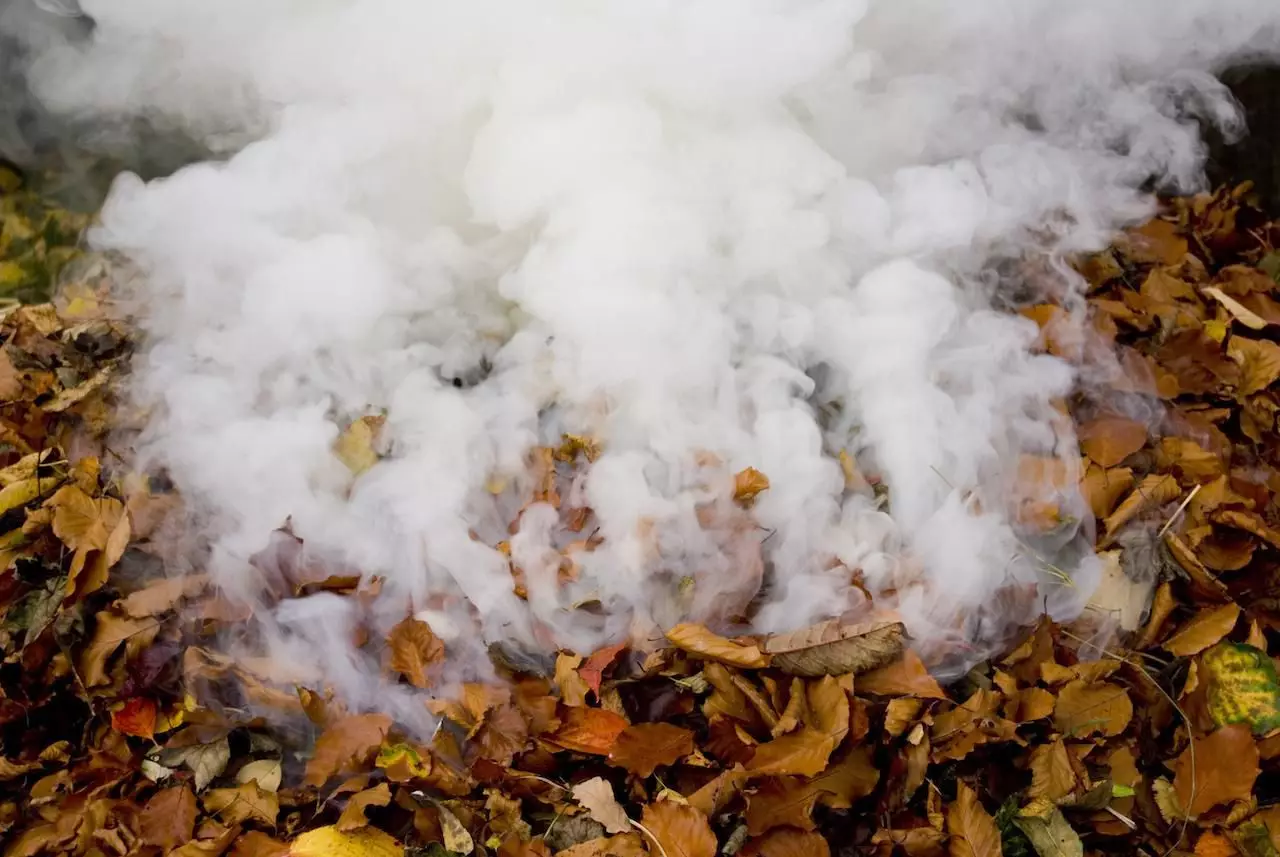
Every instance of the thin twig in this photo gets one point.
(1178, 511)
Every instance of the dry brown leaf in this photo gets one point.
(247, 802)
(162, 595)
(1259, 362)
(1092, 708)
(111, 632)
(899, 714)
(1205, 629)
(835, 648)
(1238, 311)
(589, 730)
(596, 797)
(169, 818)
(347, 744)
(255, 843)
(1103, 488)
(697, 640)
(89, 527)
(1052, 775)
(827, 706)
(681, 830)
(802, 753)
(622, 845)
(645, 747)
(414, 650)
(747, 485)
(850, 778)
(353, 814)
(973, 830)
(1216, 769)
(907, 676)
(1108, 441)
(781, 802)
(1153, 491)
(573, 688)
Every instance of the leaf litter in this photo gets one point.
(129, 729)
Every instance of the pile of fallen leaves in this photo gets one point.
(832, 740)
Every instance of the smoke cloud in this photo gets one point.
(708, 234)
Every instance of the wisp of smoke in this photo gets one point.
(707, 234)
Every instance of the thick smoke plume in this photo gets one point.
(707, 234)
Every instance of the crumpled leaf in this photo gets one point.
(1242, 686)
(1052, 776)
(834, 648)
(353, 814)
(596, 797)
(644, 747)
(205, 761)
(456, 836)
(1224, 769)
(265, 772)
(246, 802)
(679, 829)
(355, 446)
(88, 526)
(348, 742)
(1153, 491)
(697, 640)
(414, 650)
(973, 830)
(1204, 630)
(747, 485)
(1259, 362)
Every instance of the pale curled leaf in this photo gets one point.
(698, 640)
(835, 648)
(596, 797)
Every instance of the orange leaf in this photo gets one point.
(1205, 629)
(681, 830)
(793, 843)
(353, 815)
(346, 745)
(1212, 844)
(973, 831)
(697, 640)
(644, 747)
(254, 843)
(169, 818)
(1154, 490)
(137, 717)
(1110, 440)
(589, 730)
(246, 802)
(414, 649)
(781, 802)
(747, 485)
(907, 676)
(804, 753)
(1216, 769)
(848, 779)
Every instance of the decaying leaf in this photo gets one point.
(1050, 833)
(353, 814)
(347, 743)
(596, 797)
(1216, 769)
(1241, 686)
(973, 830)
(246, 802)
(906, 676)
(169, 818)
(834, 648)
(1092, 708)
(747, 485)
(414, 650)
(1204, 630)
(697, 640)
(645, 747)
(679, 829)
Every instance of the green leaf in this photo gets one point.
(1118, 790)
(1242, 686)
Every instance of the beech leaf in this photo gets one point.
(1203, 630)
(644, 747)
(698, 640)
(679, 829)
(596, 797)
(973, 830)
(834, 648)
(906, 676)
(414, 650)
(348, 743)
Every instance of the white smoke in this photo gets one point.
(751, 232)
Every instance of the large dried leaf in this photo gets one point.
(697, 640)
(1050, 833)
(1205, 629)
(1152, 492)
(353, 814)
(1108, 441)
(331, 842)
(781, 802)
(802, 753)
(1052, 775)
(1092, 708)
(414, 650)
(596, 797)
(1259, 362)
(906, 676)
(834, 648)
(1216, 769)
(589, 730)
(349, 743)
(206, 761)
(848, 779)
(246, 802)
(973, 830)
(785, 842)
(645, 747)
(169, 818)
(679, 829)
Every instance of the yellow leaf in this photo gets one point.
(1238, 311)
(1086, 708)
(355, 445)
(1259, 363)
(1155, 490)
(747, 485)
(243, 803)
(23, 492)
(697, 640)
(973, 830)
(330, 842)
(1204, 630)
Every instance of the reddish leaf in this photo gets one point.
(1216, 769)
(169, 818)
(592, 671)
(136, 717)
(589, 730)
(644, 747)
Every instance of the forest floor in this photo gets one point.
(126, 730)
